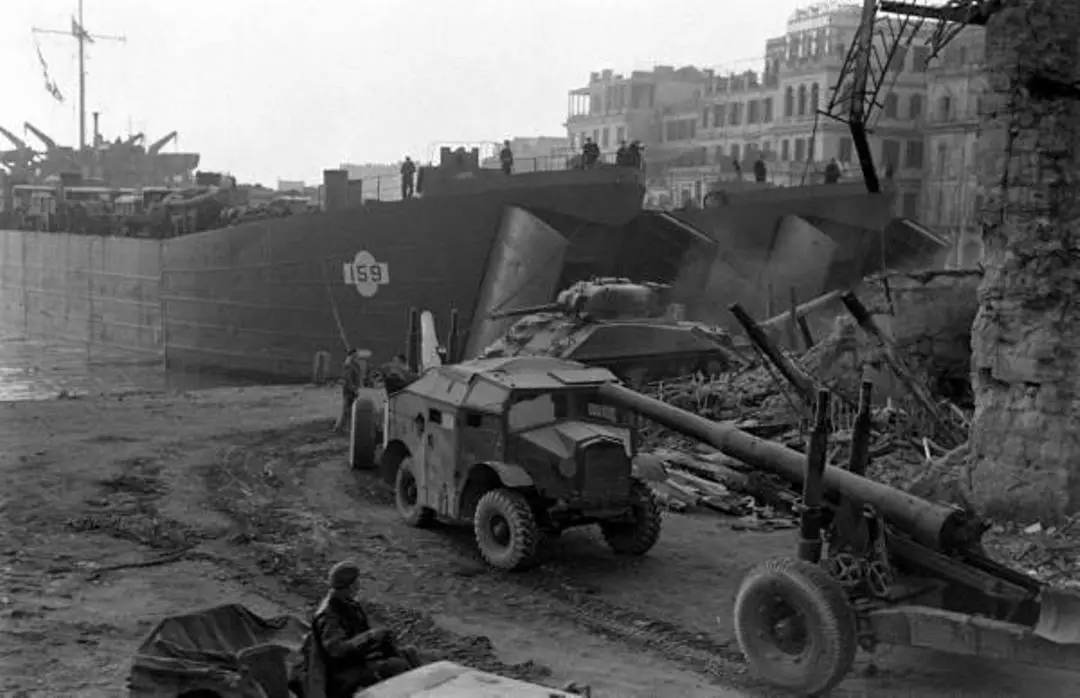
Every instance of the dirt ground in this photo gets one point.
(254, 486)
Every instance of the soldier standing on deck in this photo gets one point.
(506, 158)
(408, 172)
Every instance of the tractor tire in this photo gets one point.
(364, 425)
(639, 536)
(506, 530)
(406, 493)
(795, 626)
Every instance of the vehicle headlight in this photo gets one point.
(568, 467)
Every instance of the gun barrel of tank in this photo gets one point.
(527, 310)
(936, 526)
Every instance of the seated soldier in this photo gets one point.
(355, 654)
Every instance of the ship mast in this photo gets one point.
(83, 37)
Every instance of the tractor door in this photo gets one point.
(439, 456)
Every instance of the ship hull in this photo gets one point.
(262, 299)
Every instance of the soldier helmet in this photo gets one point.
(343, 574)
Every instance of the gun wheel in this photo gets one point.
(795, 626)
(640, 534)
(407, 497)
(506, 530)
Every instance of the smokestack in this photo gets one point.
(336, 183)
(97, 134)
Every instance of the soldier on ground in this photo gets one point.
(590, 153)
(397, 374)
(738, 168)
(622, 155)
(354, 376)
(343, 653)
(506, 158)
(408, 173)
(634, 154)
(761, 171)
(832, 172)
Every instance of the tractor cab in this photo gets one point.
(524, 441)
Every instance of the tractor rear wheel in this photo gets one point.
(795, 626)
(363, 434)
(640, 534)
(506, 530)
(407, 497)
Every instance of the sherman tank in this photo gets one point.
(623, 326)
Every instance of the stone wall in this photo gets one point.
(1025, 437)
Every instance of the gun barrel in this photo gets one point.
(936, 526)
(527, 310)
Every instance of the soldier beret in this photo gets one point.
(343, 574)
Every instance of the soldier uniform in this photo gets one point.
(355, 655)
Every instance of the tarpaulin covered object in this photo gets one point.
(226, 649)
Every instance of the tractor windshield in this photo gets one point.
(530, 410)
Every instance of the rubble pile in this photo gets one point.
(913, 447)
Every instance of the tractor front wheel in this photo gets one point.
(363, 433)
(795, 626)
(506, 530)
(638, 535)
(407, 497)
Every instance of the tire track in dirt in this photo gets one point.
(551, 582)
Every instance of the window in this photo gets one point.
(434, 416)
(532, 412)
(800, 149)
(596, 135)
(767, 115)
(892, 105)
(815, 98)
(718, 113)
(915, 107)
(604, 137)
(785, 150)
(735, 114)
(789, 102)
(620, 133)
(845, 149)
(914, 155)
(705, 118)
(735, 151)
(810, 149)
(718, 154)
(473, 419)
(752, 111)
(942, 160)
(898, 60)
(802, 100)
(920, 55)
(910, 206)
(890, 153)
(945, 108)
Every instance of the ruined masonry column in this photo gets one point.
(1025, 438)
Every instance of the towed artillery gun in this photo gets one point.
(896, 569)
(521, 447)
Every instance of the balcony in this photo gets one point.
(954, 119)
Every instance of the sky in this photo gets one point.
(268, 89)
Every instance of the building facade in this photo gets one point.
(774, 113)
(613, 108)
(952, 198)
